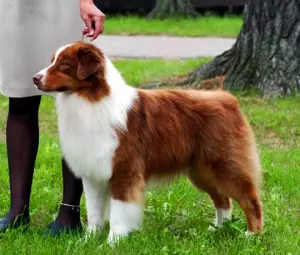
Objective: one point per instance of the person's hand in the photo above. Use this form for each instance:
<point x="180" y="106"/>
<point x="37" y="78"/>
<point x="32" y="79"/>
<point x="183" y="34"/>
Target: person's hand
<point x="93" y="18"/>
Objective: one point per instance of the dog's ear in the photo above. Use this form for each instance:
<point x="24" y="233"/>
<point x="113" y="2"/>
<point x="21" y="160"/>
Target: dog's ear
<point x="88" y="63"/>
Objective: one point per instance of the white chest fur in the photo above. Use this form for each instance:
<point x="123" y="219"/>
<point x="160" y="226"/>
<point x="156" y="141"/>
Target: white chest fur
<point x="87" y="137"/>
<point x="87" y="130"/>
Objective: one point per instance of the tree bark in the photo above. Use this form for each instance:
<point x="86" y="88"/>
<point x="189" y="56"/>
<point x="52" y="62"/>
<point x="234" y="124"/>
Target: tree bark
<point x="169" y="8"/>
<point x="266" y="55"/>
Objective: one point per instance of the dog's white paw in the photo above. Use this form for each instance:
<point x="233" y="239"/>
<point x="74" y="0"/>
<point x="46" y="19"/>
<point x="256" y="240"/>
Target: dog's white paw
<point x="114" y="238"/>
<point x="212" y="228"/>
<point x="87" y="237"/>
<point x="249" y="233"/>
<point x="91" y="231"/>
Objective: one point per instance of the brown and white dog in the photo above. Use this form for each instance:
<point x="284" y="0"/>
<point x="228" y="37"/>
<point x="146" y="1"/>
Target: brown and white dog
<point x="118" y="138"/>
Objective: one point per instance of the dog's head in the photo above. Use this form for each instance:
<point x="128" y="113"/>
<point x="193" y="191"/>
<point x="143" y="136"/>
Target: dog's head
<point x="76" y="67"/>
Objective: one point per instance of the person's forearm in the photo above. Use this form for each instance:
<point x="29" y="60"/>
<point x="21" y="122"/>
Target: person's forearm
<point x="93" y="18"/>
<point x="86" y="1"/>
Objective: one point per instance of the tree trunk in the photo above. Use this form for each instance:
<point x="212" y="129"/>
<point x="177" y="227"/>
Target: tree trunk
<point x="266" y="55"/>
<point x="169" y="8"/>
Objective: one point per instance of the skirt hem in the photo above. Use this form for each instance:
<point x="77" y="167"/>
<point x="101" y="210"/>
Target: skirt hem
<point x="20" y="91"/>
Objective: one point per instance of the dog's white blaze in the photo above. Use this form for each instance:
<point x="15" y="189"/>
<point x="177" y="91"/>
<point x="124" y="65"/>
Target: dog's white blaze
<point x="124" y="217"/>
<point x="57" y="53"/>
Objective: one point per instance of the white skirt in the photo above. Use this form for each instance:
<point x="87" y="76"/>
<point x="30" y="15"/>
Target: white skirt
<point x="30" y="32"/>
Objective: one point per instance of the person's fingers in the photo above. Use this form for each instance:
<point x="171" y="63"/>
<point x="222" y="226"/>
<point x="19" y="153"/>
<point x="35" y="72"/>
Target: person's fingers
<point x="85" y="31"/>
<point x="99" y="26"/>
<point x="88" y="22"/>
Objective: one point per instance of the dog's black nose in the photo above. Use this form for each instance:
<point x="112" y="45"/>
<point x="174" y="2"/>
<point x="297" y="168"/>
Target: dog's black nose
<point x="37" y="78"/>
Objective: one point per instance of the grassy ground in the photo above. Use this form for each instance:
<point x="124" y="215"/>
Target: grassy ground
<point x="208" y="25"/>
<point x="176" y="218"/>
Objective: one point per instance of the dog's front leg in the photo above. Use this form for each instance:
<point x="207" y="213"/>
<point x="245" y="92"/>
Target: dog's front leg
<point x="96" y="195"/>
<point x="124" y="218"/>
<point x="126" y="203"/>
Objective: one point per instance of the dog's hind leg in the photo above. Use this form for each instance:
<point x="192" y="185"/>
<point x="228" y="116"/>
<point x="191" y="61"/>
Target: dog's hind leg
<point x="253" y="211"/>
<point x="241" y="186"/>
<point x="223" y="207"/>
<point x="201" y="178"/>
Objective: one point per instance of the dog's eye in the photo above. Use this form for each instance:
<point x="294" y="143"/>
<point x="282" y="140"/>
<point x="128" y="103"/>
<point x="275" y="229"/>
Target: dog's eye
<point x="63" y="67"/>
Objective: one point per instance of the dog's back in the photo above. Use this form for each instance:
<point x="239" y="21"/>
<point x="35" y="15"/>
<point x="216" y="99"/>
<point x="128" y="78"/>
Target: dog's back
<point x="179" y="126"/>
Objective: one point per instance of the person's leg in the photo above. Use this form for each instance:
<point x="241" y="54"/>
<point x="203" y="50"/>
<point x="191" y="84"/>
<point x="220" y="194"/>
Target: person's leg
<point x="69" y="212"/>
<point x="22" y="134"/>
<point x="22" y="145"/>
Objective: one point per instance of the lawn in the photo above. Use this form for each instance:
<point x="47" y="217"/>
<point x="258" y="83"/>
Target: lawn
<point x="177" y="217"/>
<point x="207" y="25"/>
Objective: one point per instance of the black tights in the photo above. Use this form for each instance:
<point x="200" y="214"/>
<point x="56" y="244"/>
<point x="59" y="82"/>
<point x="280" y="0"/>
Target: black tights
<point x="22" y="144"/>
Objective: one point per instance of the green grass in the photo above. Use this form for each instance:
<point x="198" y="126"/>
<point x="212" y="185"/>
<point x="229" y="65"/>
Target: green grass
<point x="155" y="70"/>
<point x="177" y="217"/>
<point x="208" y="25"/>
